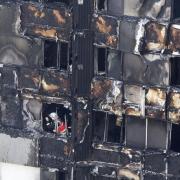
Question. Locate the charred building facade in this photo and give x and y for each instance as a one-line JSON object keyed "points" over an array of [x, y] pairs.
{"points": [[90, 89]]}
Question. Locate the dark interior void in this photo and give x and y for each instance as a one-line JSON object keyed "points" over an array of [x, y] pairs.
{"points": [[101, 4], [101, 59], [56, 55], [107, 127], [175, 134], [64, 56], [50, 54], [109, 62], [176, 9], [57, 119], [175, 71]]}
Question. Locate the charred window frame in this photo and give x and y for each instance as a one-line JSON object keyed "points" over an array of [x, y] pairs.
{"points": [[57, 55], [57, 118], [100, 60], [107, 128], [108, 62]]}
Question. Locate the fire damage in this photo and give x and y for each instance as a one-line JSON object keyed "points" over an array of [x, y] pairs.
{"points": [[90, 89]]}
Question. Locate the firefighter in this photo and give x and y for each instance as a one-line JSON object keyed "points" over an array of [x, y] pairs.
{"points": [[58, 125]]}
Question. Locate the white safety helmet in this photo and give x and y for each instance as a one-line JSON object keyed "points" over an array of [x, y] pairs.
{"points": [[54, 116]]}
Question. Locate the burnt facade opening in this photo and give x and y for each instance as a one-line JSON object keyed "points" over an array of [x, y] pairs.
{"points": [[57, 118], [107, 128], [56, 55], [101, 5], [50, 54], [100, 60]]}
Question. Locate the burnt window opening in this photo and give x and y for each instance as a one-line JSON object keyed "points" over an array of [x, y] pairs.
{"points": [[57, 118], [108, 62], [64, 56], [175, 71], [175, 134], [56, 55], [100, 58], [50, 54], [107, 128], [101, 5], [176, 6]]}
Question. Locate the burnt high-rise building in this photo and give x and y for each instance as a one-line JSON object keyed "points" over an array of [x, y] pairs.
{"points": [[90, 89]]}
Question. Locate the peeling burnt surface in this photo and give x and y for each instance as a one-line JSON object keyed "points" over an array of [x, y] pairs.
{"points": [[127, 33], [173, 105], [53, 151], [29, 79], [19, 51], [155, 36], [107, 95], [11, 112], [32, 110], [46, 22], [82, 120], [160, 9], [155, 103], [55, 83], [106, 31], [149, 69]]}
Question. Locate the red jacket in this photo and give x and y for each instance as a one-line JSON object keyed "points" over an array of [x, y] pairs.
{"points": [[61, 128]]}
